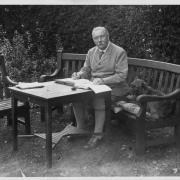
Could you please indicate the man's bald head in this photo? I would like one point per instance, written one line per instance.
(100, 28)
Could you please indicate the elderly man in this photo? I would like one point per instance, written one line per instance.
(106, 63)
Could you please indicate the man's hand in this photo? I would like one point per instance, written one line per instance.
(98, 81)
(76, 75)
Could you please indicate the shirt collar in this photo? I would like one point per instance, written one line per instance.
(104, 49)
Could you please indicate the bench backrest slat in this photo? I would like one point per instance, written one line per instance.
(131, 75)
(165, 81)
(143, 73)
(80, 64)
(137, 71)
(155, 75)
(177, 82)
(73, 66)
(66, 68)
(172, 83)
(160, 80)
(149, 76)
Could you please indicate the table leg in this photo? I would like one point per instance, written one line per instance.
(14, 119)
(48, 118)
(42, 114)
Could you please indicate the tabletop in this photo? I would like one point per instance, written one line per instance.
(50, 90)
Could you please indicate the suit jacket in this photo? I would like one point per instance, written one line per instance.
(112, 68)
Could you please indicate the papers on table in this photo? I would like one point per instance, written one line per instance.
(99, 88)
(24, 85)
(84, 84)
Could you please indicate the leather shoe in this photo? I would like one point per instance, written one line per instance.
(93, 142)
(70, 138)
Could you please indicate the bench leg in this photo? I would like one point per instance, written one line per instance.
(177, 135)
(42, 109)
(177, 127)
(140, 137)
(9, 119)
(27, 120)
(72, 116)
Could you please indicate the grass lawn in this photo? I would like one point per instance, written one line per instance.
(114, 157)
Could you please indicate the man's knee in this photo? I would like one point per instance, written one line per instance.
(77, 106)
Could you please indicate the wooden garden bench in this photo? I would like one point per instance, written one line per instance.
(5, 100)
(159, 75)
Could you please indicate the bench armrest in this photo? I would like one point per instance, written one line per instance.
(54, 75)
(149, 98)
(143, 99)
(9, 81)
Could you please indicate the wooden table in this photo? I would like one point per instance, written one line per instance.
(50, 95)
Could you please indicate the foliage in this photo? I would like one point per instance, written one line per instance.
(150, 32)
(25, 59)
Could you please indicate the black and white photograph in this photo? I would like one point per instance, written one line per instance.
(89, 89)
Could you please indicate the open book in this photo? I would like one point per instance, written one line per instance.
(84, 84)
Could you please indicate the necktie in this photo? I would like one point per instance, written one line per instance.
(100, 54)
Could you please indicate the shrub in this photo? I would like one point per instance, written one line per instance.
(25, 59)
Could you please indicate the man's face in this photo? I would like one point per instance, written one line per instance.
(100, 38)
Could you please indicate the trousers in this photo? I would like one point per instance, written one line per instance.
(98, 105)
